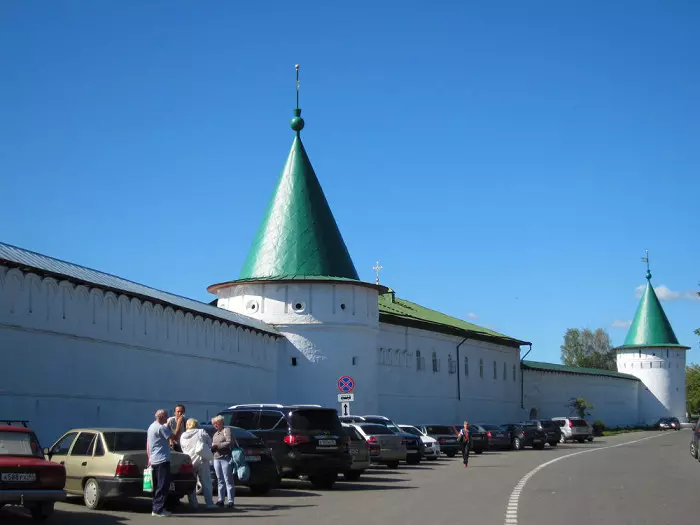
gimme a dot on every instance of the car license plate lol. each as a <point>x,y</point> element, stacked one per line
<point>172,487</point>
<point>327,442</point>
<point>19,477</point>
<point>537,441</point>
<point>252,459</point>
<point>353,451</point>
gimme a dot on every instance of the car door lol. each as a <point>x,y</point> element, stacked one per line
<point>78,461</point>
<point>59,451</point>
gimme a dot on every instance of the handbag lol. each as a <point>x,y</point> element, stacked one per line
<point>148,479</point>
<point>240,464</point>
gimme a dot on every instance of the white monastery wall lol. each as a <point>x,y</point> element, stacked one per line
<point>331,331</point>
<point>662,370</point>
<point>79,356</point>
<point>418,378</point>
<point>616,400</point>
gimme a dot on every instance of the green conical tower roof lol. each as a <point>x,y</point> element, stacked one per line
<point>298,237</point>
<point>650,326</point>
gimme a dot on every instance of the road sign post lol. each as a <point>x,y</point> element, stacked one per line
<point>345,408</point>
<point>346,384</point>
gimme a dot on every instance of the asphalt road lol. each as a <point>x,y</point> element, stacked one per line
<point>648,482</point>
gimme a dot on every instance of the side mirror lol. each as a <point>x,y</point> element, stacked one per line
<point>47,452</point>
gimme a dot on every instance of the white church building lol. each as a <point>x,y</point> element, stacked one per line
<point>79,346</point>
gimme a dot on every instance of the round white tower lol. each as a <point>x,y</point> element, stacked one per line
<point>299,277</point>
<point>652,353</point>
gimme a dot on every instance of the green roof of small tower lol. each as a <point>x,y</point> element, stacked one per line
<point>650,326</point>
<point>298,237</point>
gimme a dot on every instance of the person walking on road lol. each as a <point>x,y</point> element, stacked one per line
<point>196,443</point>
<point>222,443</point>
<point>463,437</point>
<point>158,451</point>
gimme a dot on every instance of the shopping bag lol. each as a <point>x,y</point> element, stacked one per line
<point>240,464</point>
<point>148,479</point>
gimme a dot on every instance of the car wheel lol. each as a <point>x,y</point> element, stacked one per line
<point>539,446</point>
<point>412,461</point>
<point>693,451</point>
<point>260,490</point>
<point>392,465</point>
<point>553,443</point>
<point>590,438</point>
<point>41,511</point>
<point>92,495</point>
<point>323,481</point>
<point>352,475</point>
<point>480,451</point>
<point>580,440</point>
<point>516,444</point>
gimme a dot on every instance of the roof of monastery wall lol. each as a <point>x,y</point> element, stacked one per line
<point>37,263</point>
<point>576,370</point>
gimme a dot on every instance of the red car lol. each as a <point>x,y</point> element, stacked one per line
<point>27,479</point>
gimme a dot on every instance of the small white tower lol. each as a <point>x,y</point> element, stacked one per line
<point>299,277</point>
<point>652,353</point>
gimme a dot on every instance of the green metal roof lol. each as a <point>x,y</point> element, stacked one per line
<point>563,369</point>
<point>393,310</point>
<point>298,236</point>
<point>650,326</point>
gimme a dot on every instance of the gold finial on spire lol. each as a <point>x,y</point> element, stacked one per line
<point>377,268</point>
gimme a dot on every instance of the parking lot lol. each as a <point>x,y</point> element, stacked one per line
<point>443,492</point>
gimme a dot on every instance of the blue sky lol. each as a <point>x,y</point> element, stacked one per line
<point>509,160</point>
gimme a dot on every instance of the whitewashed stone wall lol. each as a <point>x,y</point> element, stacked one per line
<point>662,370</point>
<point>330,329</point>
<point>79,356</point>
<point>418,373</point>
<point>616,400</point>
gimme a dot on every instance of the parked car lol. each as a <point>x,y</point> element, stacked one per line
<point>27,478</point>
<point>550,428</point>
<point>695,442</point>
<point>573,429</point>
<point>668,423</point>
<point>105,463</point>
<point>517,435</point>
<point>306,440</point>
<point>264,474</point>
<point>431,448</point>
<point>389,447</point>
<point>499,437</point>
<point>479,438</point>
<point>414,444</point>
<point>445,435</point>
<point>359,451</point>
<point>528,435</point>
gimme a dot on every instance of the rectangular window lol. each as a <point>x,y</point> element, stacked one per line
<point>466,366</point>
<point>481,368</point>
<point>354,360</point>
<point>436,363</point>
<point>514,373</point>
<point>495,373</point>
<point>505,373</point>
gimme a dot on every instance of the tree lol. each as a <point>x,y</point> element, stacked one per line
<point>692,388</point>
<point>580,406</point>
<point>588,349</point>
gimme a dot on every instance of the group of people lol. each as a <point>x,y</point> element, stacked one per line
<point>177,433</point>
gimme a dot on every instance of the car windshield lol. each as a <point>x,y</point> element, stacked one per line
<point>411,430</point>
<point>316,421</point>
<point>125,441</point>
<point>20,444</point>
<point>375,430</point>
<point>438,429</point>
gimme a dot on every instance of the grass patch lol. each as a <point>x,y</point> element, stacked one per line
<point>626,430</point>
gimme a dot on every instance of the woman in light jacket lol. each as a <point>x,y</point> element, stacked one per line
<point>196,443</point>
<point>222,443</point>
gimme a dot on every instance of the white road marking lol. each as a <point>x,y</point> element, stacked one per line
<point>512,512</point>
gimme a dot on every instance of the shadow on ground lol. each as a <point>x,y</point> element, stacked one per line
<point>81,516</point>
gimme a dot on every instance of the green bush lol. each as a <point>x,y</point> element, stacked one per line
<point>598,427</point>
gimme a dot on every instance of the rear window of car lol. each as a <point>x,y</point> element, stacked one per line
<point>578,423</point>
<point>375,430</point>
<point>20,444</point>
<point>315,420</point>
<point>125,441</point>
<point>549,424</point>
<point>440,430</point>
<point>411,430</point>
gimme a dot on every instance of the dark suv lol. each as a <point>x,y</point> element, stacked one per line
<point>306,440</point>
<point>550,428</point>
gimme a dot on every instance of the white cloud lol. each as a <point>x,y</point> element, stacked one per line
<point>472,315</point>
<point>617,323</point>
<point>664,293</point>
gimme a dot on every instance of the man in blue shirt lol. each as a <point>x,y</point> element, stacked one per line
<point>158,449</point>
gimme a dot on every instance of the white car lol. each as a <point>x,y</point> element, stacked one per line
<point>431,448</point>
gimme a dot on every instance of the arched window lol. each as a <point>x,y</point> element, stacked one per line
<point>481,368</point>
<point>435,362</point>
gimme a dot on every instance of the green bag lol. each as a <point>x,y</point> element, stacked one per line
<point>148,479</point>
